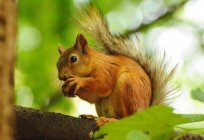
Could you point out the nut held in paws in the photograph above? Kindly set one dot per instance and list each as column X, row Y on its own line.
column 70, row 92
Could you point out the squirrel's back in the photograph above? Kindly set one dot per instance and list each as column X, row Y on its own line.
column 131, row 89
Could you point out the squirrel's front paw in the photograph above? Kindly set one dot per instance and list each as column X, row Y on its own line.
column 72, row 85
column 68, row 90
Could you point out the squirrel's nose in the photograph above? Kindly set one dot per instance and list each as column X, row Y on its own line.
column 63, row 77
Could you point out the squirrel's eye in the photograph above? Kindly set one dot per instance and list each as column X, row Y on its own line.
column 73, row 59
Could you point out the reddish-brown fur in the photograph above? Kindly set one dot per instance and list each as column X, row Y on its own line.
column 117, row 85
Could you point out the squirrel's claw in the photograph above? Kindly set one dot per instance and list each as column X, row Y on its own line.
column 76, row 89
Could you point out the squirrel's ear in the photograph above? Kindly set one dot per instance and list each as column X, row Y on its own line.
column 61, row 49
column 81, row 44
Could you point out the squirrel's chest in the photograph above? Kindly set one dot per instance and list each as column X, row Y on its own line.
column 105, row 108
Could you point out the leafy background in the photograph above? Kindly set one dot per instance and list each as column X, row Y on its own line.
column 174, row 25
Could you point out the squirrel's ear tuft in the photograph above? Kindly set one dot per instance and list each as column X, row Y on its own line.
column 61, row 49
column 81, row 44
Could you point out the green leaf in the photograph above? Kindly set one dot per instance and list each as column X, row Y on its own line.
column 157, row 122
column 137, row 135
column 196, row 124
column 194, row 117
column 198, row 94
column 193, row 128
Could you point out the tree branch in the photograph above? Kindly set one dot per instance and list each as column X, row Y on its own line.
column 33, row 124
column 168, row 15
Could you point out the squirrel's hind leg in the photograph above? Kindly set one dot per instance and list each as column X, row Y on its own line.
column 100, row 121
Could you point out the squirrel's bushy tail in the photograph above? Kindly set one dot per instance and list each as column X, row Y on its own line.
column 91, row 21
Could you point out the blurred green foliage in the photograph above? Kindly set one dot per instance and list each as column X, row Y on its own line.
column 198, row 94
column 42, row 25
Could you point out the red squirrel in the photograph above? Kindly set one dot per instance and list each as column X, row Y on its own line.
column 123, row 81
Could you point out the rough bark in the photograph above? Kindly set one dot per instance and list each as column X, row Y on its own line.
column 37, row 125
column 7, row 53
